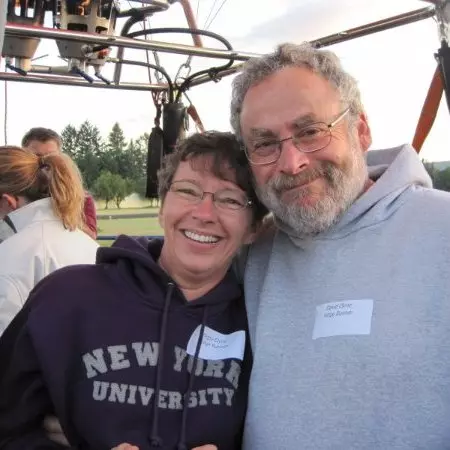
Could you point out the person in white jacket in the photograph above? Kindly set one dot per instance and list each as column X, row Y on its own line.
column 42, row 198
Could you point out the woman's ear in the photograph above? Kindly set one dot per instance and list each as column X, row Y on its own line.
column 10, row 201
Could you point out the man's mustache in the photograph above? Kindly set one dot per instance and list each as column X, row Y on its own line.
column 284, row 182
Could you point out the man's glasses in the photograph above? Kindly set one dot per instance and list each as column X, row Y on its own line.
column 225, row 199
column 308, row 139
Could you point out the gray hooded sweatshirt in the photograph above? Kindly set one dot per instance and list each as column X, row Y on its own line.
column 351, row 328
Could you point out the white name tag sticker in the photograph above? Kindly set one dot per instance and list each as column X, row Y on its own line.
column 216, row 345
column 352, row 317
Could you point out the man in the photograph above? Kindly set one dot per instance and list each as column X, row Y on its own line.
column 348, row 300
column 44, row 141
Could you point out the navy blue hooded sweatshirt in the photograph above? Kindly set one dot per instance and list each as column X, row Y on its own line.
column 110, row 349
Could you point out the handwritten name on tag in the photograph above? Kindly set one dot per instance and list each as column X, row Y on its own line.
column 352, row 317
column 216, row 345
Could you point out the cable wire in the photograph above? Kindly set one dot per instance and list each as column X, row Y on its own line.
column 215, row 15
column 210, row 12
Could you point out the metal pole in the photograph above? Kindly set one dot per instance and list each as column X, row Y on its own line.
column 35, row 32
column 375, row 27
column 73, row 81
column 118, row 41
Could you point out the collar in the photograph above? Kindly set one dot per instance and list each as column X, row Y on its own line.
column 37, row 211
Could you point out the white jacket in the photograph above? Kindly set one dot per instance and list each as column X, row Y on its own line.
column 40, row 246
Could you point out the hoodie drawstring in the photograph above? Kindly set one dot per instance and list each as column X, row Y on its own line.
column 182, row 442
column 156, row 440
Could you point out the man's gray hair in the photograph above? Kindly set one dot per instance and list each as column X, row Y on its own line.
column 322, row 62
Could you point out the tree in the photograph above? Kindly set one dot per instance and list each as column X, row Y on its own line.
column 104, row 187
column 121, row 187
column 88, row 151
column 69, row 136
column 137, row 154
column 442, row 179
column 111, row 186
column 114, row 156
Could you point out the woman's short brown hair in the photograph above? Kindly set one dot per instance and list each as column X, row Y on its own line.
column 225, row 152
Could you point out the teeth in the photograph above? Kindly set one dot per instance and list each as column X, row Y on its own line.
column 200, row 237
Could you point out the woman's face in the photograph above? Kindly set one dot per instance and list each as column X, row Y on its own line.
column 202, row 237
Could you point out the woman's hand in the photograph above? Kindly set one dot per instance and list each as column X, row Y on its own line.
column 204, row 447
column 54, row 431
column 125, row 446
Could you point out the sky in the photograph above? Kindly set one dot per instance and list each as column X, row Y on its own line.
column 394, row 69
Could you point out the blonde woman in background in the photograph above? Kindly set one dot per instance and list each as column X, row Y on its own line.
column 42, row 199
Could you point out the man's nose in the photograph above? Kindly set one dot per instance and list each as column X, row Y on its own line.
column 292, row 160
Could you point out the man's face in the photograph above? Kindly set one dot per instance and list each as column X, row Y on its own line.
column 43, row 148
column 307, row 191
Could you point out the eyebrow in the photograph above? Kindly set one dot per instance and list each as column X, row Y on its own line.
column 299, row 122
column 256, row 133
column 305, row 120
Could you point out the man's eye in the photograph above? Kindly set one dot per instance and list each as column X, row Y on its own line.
column 264, row 145
column 310, row 132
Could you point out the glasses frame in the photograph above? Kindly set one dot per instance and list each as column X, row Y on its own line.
column 329, row 126
column 197, row 201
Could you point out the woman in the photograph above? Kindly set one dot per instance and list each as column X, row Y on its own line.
column 149, row 346
column 41, row 201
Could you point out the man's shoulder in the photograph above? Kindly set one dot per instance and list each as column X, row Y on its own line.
column 430, row 200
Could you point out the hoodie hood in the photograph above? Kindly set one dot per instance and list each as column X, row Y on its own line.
column 394, row 171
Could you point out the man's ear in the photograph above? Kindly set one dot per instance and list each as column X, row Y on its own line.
column 364, row 133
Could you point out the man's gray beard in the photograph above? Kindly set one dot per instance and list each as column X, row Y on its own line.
column 343, row 186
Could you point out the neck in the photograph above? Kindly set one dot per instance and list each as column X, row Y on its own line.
column 192, row 285
column 368, row 184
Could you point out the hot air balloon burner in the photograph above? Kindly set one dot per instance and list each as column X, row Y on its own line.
column 18, row 51
column 88, row 16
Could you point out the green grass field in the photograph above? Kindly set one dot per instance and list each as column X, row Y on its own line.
column 115, row 211
column 134, row 227
column 141, row 226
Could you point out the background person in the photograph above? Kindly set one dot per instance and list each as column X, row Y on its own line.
column 42, row 198
column 44, row 141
